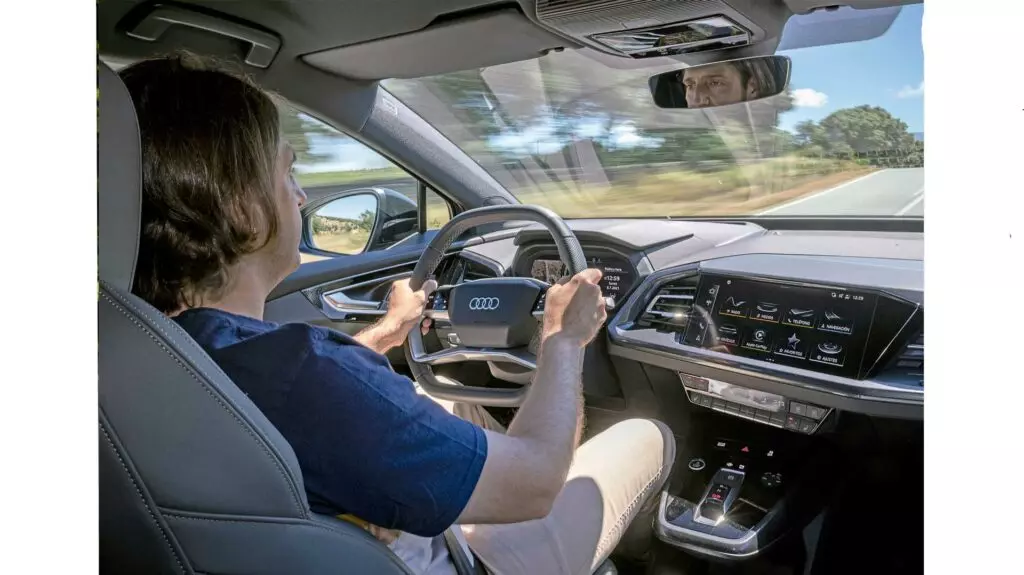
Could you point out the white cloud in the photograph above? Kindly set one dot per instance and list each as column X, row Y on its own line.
column 809, row 98
column 910, row 91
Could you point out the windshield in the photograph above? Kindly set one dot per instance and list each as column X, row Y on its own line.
column 579, row 132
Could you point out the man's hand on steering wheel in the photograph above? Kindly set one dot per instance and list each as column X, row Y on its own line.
column 575, row 310
column 405, row 311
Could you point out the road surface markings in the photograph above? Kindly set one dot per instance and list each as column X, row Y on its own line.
column 819, row 194
column 918, row 197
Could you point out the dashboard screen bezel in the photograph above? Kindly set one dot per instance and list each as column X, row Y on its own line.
column 638, row 268
column 818, row 296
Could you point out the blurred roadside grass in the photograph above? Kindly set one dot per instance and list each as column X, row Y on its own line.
column 659, row 192
column 734, row 190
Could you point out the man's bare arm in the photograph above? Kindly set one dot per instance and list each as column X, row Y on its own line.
column 526, row 468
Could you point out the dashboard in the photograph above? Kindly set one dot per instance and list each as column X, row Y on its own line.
column 783, row 327
column 618, row 274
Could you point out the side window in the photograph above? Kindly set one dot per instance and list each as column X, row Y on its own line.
column 335, row 170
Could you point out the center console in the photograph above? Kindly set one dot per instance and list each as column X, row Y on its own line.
column 731, row 496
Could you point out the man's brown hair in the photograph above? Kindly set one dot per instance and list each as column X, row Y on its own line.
column 209, row 149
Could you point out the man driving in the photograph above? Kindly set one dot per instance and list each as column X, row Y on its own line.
column 221, row 228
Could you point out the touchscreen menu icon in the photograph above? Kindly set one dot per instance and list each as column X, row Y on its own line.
column 766, row 311
column 734, row 306
column 836, row 320
column 799, row 316
column 829, row 352
column 728, row 334
column 757, row 339
column 792, row 346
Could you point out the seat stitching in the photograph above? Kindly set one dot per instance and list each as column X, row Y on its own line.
column 220, row 402
column 138, row 490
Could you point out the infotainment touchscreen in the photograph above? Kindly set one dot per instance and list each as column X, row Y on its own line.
column 815, row 328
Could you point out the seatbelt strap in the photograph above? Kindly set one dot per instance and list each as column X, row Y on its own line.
column 458, row 555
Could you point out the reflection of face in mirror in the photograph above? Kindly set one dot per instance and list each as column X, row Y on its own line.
column 715, row 85
column 721, row 83
column 343, row 226
column 727, row 83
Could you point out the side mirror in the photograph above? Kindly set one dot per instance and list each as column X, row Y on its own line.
column 345, row 225
column 721, row 83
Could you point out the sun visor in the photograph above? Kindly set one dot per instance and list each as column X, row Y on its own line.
column 475, row 41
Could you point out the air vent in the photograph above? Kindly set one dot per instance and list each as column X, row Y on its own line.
column 474, row 271
column 910, row 362
column 671, row 306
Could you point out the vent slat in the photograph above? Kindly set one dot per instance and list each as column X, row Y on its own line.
column 671, row 306
column 910, row 361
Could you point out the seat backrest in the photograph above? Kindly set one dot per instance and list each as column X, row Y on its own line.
column 193, row 478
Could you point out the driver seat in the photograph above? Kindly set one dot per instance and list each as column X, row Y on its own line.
column 193, row 478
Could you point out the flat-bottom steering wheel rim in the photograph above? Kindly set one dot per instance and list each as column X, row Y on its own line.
column 570, row 252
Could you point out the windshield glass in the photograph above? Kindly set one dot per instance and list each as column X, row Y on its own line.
column 579, row 132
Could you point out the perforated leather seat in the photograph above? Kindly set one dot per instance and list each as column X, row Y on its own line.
column 193, row 478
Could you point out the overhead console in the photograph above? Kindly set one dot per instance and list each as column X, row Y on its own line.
column 658, row 28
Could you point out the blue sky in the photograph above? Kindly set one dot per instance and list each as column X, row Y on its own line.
column 887, row 71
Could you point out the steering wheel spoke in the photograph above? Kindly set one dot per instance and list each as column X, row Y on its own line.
column 518, row 356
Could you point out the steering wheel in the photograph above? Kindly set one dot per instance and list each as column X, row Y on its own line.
column 495, row 319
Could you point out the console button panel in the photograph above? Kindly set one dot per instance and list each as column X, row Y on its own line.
column 754, row 405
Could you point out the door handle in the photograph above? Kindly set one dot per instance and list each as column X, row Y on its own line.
column 341, row 302
column 262, row 45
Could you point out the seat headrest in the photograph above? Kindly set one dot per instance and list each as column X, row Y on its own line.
column 119, row 212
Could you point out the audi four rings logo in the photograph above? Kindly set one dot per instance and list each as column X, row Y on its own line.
column 484, row 303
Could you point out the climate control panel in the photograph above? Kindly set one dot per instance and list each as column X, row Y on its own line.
column 754, row 405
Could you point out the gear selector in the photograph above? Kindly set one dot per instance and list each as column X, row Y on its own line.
column 719, row 496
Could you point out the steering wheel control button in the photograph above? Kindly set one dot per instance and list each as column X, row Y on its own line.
column 771, row 479
column 697, row 464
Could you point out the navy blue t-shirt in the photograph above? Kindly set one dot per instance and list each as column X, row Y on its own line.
column 367, row 443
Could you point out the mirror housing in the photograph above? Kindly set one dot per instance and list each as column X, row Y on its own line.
column 721, row 83
column 359, row 220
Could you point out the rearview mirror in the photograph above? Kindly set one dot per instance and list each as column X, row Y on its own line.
column 721, row 83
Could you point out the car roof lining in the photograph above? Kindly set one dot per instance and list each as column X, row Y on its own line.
column 364, row 40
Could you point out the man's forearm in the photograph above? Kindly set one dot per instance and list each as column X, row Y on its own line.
column 381, row 336
column 551, row 417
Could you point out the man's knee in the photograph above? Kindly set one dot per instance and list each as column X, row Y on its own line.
column 649, row 441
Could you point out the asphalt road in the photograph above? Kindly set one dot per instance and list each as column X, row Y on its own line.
column 890, row 192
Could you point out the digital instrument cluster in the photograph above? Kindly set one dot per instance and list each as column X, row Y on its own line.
column 618, row 274
column 813, row 328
